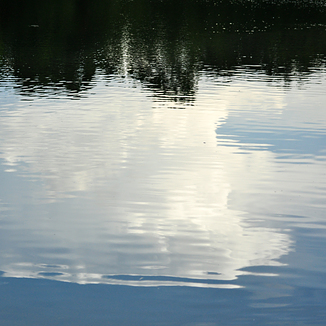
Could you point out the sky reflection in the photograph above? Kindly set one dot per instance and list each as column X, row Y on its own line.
column 122, row 183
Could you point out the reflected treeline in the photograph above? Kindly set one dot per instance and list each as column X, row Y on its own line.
column 57, row 45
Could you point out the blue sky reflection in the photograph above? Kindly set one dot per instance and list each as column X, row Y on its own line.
column 120, row 183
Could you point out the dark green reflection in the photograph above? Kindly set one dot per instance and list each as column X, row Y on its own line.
column 52, row 46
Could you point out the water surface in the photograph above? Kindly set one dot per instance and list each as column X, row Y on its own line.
column 163, row 164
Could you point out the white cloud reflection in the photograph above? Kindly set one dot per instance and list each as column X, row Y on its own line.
column 136, row 189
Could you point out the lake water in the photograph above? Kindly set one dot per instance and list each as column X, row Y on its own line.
column 162, row 163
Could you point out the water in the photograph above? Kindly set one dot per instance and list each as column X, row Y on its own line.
column 162, row 163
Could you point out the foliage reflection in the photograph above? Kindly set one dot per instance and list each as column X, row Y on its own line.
column 54, row 46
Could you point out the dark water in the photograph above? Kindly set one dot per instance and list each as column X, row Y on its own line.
column 162, row 162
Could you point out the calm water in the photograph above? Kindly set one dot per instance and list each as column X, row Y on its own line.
column 162, row 163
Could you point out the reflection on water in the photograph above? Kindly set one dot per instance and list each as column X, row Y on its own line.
column 55, row 47
column 140, row 149
column 122, row 184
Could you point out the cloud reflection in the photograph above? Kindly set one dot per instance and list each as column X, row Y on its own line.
column 130, row 187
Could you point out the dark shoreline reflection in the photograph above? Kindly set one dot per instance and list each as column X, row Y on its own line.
column 54, row 47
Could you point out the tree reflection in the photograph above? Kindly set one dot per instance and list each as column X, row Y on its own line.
column 57, row 46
